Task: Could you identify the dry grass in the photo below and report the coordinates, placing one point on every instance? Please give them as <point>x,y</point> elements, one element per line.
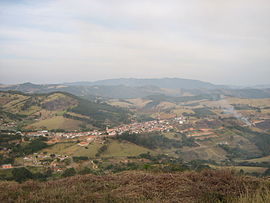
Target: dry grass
<point>247,169</point>
<point>206,186</point>
<point>123,149</point>
<point>179,111</point>
<point>166,105</point>
<point>262,159</point>
<point>261,195</point>
<point>120,104</point>
<point>252,102</point>
<point>139,103</point>
<point>57,122</point>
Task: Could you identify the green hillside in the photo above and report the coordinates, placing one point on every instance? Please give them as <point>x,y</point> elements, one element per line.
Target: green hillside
<point>57,111</point>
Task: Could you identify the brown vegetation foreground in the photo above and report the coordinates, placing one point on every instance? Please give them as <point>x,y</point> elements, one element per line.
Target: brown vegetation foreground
<point>205,186</point>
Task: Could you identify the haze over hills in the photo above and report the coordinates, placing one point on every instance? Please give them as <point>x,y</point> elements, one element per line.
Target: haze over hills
<point>134,88</point>
<point>140,101</point>
<point>170,83</point>
<point>49,133</point>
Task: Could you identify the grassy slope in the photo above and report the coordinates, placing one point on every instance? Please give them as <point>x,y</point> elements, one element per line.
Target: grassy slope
<point>207,186</point>
<point>252,102</point>
<point>12,102</point>
<point>115,149</point>
<point>120,104</point>
<point>57,122</point>
<point>62,148</point>
<point>258,160</point>
<point>45,110</point>
<point>90,151</point>
<point>247,169</point>
<point>122,149</point>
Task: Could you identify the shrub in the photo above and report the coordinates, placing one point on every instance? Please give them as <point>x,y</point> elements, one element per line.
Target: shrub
<point>79,158</point>
<point>21,174</point>
<point>69,172</point>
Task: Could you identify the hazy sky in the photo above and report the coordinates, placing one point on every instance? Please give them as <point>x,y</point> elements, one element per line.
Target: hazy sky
<point>52,41</point>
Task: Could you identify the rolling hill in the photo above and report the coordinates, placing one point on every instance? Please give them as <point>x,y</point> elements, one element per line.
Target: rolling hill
<point>58,110</point>
<point>130,88</point>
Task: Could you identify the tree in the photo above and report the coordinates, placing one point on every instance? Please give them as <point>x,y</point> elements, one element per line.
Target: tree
<point>86,170</point>
<point>267,172</point>
<point>39,176</point>
<point>101,150</point>
<point>69,172</point>
<point>21,174</point>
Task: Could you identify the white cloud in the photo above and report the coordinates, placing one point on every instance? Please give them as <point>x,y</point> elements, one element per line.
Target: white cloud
<point>88,40</point>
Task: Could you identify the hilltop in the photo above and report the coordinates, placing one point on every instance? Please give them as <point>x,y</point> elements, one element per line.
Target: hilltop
<point>207,186</point>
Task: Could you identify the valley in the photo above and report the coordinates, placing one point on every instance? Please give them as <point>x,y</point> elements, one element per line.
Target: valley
<point>58,131</point>
<point>134,101</point>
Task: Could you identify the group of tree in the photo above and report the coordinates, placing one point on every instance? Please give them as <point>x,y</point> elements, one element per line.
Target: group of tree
<point>101,112</point>
<point>22,174</point>
<point>33,146</point>
<point>155,140</point>
<point>101,150</point>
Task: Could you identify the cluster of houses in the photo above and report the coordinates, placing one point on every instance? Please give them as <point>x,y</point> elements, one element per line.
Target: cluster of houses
<point>44,159</point>
<point>143,127</point>
<point>6,166</point>
<point>6,125</point>
<point>38,160</point>
<point>95,135</point>
<point>41,133</point>
<point>73,135</point>
<point>149,126</point>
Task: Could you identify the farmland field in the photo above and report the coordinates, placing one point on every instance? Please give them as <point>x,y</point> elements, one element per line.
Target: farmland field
<point>57,122</point>
<point>123,149</point>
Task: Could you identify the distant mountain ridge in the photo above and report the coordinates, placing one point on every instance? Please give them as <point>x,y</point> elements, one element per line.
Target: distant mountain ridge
<point>170,83</point>
<point>124,88</point>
